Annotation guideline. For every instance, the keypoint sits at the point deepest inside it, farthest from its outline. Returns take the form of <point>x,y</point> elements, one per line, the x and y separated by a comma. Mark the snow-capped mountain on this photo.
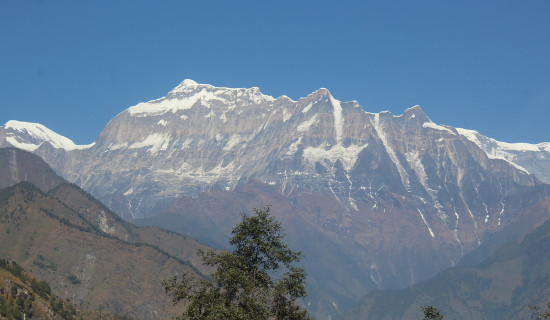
<point>30,136</point>
<point>386,200</point>
<point>532,158</point>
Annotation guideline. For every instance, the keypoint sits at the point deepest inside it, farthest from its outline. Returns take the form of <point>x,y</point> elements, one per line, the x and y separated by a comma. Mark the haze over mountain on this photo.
<point>85,252</point>
<point>374,200</point>
<point>503,286</point>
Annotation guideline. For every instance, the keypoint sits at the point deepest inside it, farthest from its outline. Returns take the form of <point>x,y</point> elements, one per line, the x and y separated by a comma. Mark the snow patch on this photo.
<point>294,147</point>
<point>286,115</point>
<point>210,114</point>
<point>307,108</point>
<point>116,146</point>
<point>434,126</point>
<point>233,141</point>
<point>304,126</point>
<point>338,121</point>
<point>426,223</point>
<point>223,118</point>
<point>155,142</point>
<point>347,155</point>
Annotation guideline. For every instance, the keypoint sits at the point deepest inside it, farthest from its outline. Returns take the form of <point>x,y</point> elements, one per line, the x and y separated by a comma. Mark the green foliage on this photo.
<point>13,268</point>
<point>538,314</point>
<point>431,313</point>
<point>73,279</point>
<point>14,302</point>
<point>65,310</point>
<point>255,281</point>
<point>17,300</point>
<point>42,288</point>
<point>42,263</point>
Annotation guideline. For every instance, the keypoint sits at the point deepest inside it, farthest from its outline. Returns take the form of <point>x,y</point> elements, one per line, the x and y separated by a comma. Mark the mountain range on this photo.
<point>374,200</point>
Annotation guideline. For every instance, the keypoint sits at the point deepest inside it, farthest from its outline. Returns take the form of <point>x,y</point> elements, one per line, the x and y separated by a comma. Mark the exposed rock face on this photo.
<point>501,287</point>
<point>398,198</point>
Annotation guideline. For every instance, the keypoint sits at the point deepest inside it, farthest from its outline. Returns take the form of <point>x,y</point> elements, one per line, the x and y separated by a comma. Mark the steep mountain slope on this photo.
<point>513,232</point>
<point>23,297</point>
<point>501,287</point>
<point>89,255</point>
<point>391,199</point>
<point>22,165</point>
<point>82,264</point>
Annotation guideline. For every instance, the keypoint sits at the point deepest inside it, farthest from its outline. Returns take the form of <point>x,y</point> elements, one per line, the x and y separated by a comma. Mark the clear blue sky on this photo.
<point>483,65</point>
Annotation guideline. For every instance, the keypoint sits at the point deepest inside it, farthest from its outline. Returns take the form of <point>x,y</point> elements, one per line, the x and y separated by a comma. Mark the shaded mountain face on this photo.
<point>87,253</point>
<point>501,287</point>
<point>19,165</point>
<point>392,198</point>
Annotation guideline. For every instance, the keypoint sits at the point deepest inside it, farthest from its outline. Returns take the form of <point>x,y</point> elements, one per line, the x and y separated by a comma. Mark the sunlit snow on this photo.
<point>188,93</point>
<point>502,150</point>
<point>40,134</point>
<point>304,126</point>
<point>348,155</point>
<point>154,142</point>
<point>434,126</point>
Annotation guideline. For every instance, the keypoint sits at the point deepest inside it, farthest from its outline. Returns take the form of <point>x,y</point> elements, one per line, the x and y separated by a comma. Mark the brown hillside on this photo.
<point>83,264</point>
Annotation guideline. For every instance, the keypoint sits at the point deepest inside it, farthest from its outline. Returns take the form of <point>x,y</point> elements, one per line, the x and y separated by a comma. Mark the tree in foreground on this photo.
<point>431,313</point>
<point>538,314</point>
<point>255,281</point>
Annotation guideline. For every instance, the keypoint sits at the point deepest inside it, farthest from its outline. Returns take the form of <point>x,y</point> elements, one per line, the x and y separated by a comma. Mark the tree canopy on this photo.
<point>431,313</point>
<point>256,281</point>
<point>538,314</point>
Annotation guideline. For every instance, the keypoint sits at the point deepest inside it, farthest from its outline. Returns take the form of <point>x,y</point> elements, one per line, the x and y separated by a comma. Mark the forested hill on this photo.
<point>22,296</point>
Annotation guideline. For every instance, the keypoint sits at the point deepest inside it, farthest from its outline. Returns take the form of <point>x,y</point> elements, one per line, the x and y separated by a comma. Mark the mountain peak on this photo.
<point>189,83</point>
<point>416,113</point>
<point>186,86</point>
<point>21,125</point>
<point>318,94</point>
<point>323,92</point>
<point>414,110</point>
<point>29,136</point>
<point>189,92</point>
